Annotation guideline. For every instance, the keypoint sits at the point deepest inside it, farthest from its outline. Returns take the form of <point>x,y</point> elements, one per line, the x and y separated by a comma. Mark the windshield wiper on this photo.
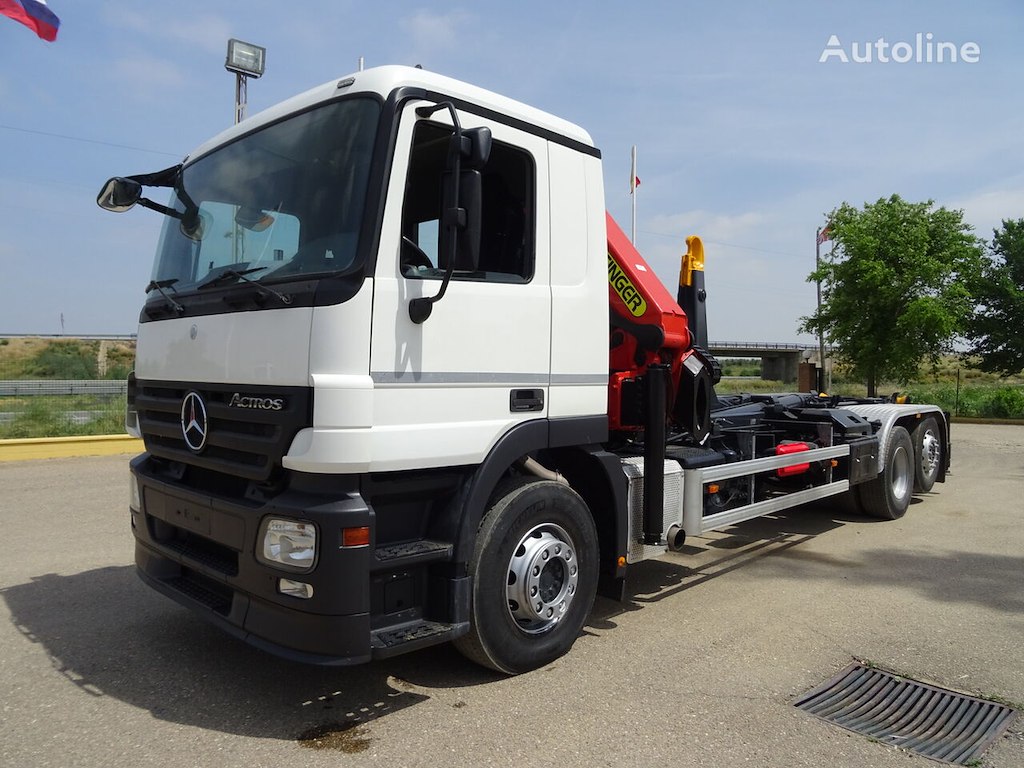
<point>240,274</point>
<point>228,276</point>
<point>159,285</point>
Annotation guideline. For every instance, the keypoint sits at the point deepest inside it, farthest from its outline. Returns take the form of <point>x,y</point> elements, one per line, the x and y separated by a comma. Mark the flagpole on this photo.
<point>632,192</point>
<point>821,338</point>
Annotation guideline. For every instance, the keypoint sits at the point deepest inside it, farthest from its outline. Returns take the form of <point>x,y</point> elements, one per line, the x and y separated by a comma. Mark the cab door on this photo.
<point>446,389</point>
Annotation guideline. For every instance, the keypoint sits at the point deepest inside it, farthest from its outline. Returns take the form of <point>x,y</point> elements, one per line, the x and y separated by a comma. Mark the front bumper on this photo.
<point>199,549</point>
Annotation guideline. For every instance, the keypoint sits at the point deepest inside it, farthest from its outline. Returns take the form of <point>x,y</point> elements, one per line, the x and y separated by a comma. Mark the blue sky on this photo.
<point>743,136</point>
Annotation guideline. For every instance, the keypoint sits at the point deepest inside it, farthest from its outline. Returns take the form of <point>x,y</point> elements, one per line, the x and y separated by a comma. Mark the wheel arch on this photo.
<point>592,472</point>
<point>523,439</point>
<point>597,477</point>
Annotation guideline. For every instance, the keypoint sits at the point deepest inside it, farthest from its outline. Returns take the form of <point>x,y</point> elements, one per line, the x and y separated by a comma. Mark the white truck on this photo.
<point>402,381</point>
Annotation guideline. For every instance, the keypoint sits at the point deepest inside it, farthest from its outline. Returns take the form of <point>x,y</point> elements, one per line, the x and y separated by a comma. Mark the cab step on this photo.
<point>412,636</point>
<point>413,553</point>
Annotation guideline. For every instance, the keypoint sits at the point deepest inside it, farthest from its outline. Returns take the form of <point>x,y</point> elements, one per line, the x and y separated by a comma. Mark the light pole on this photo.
<point>824,378</point>
<point>245,60</point>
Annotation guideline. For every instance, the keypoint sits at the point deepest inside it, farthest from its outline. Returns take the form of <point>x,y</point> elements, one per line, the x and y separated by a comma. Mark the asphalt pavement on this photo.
<point>699,667</point>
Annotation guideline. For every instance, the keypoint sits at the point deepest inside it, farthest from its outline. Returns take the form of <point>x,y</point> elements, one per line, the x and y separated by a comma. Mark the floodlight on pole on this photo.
<point>245,60</point>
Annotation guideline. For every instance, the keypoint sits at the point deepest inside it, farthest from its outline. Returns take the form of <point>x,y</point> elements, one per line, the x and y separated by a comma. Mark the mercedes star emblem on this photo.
<point>193,421</point>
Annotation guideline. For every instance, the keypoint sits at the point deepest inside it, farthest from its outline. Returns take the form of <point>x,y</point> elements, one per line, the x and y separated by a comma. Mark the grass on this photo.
<point>65,358</point>
<point>754,386</point>
<point>740,366</point>
<point>44,416</point>
<point>953,385</point>
<point>986,401</point>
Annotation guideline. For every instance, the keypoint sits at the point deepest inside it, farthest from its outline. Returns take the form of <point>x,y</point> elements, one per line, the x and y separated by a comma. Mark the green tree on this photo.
<point>996,329</point>
<point>895,288</point>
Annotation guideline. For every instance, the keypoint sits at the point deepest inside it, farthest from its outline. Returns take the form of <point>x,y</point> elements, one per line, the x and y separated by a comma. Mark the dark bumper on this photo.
<point>199,550</point>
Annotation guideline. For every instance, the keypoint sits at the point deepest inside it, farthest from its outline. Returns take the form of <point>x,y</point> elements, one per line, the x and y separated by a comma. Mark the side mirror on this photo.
<point>119,194</point>
<point>476,148</point>
<point>467,213</point>
<point>461,205</point>
<point>471,149</point>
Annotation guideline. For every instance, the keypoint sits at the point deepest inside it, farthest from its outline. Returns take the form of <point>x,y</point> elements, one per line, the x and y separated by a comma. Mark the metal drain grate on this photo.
<point>930,721</point>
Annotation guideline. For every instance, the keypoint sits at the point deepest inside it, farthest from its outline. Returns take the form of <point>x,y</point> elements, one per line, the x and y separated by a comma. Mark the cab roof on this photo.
<point>383,81</point>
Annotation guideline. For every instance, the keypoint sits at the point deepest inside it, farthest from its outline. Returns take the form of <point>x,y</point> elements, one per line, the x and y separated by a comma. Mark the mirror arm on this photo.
<point>146,203</point>
<point>420,308</point>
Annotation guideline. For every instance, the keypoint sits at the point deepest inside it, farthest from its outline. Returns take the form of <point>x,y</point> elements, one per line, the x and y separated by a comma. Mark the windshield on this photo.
<point>283,203</point>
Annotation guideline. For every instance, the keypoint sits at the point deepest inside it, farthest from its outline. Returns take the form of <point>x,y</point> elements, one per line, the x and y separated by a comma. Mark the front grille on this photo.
<point>194,547</point>
<point>214,596</point>
<point>240,442</point>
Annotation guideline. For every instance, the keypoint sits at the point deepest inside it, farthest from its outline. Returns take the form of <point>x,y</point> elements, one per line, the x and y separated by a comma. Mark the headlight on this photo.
<point>288,544</point>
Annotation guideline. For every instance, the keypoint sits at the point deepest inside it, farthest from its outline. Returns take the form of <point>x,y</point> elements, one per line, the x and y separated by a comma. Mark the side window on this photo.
<point>507,220</point>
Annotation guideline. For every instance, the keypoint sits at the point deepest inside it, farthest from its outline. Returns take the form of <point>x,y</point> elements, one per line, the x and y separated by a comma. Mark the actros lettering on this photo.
<point>258,403</point>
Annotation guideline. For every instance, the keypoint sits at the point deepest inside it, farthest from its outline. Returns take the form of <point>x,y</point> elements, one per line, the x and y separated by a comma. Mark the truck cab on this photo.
<point>289,401</point>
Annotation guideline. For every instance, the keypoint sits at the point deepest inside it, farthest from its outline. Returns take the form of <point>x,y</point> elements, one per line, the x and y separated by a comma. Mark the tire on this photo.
<point>888,495</point>
<point>928,454</point>
<point>534,577</point>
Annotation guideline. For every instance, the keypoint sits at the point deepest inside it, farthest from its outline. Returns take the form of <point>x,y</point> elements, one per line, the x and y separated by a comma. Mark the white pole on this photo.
<point>241,97</point>
<point>824,381</point>
<point>632,191</point>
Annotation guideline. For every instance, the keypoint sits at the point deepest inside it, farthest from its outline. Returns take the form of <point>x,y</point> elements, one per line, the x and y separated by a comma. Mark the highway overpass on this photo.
<point>780,361</point>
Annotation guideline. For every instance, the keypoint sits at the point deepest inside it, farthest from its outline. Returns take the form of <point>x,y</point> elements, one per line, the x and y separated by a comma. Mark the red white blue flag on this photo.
<point>34,14</point>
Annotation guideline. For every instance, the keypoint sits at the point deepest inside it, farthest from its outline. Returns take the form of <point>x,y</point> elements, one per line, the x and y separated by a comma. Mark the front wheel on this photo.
<point>534,576</point>
<point>888,495</point>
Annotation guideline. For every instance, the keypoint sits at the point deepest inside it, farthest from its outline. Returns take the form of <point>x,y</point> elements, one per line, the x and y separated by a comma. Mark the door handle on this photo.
<point>523,400</point>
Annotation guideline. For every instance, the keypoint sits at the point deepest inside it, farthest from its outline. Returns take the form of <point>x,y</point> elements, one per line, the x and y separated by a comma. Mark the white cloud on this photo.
<point>712,225</point>
<point>986,210</point>
<point>207,31</point>
<point>147,76</point>
<point>434,30</point>
<point>434,37</point>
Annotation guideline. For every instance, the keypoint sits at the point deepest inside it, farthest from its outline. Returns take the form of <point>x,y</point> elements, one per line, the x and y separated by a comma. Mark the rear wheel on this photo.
<point>534,577</point>
<point>927,454</point>
<point>888,495</point>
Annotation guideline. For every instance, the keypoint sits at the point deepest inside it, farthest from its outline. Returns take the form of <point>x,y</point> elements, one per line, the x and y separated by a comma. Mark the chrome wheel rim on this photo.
<point>931,451</point>
<point>900,473</point>
<point>543,576</point>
